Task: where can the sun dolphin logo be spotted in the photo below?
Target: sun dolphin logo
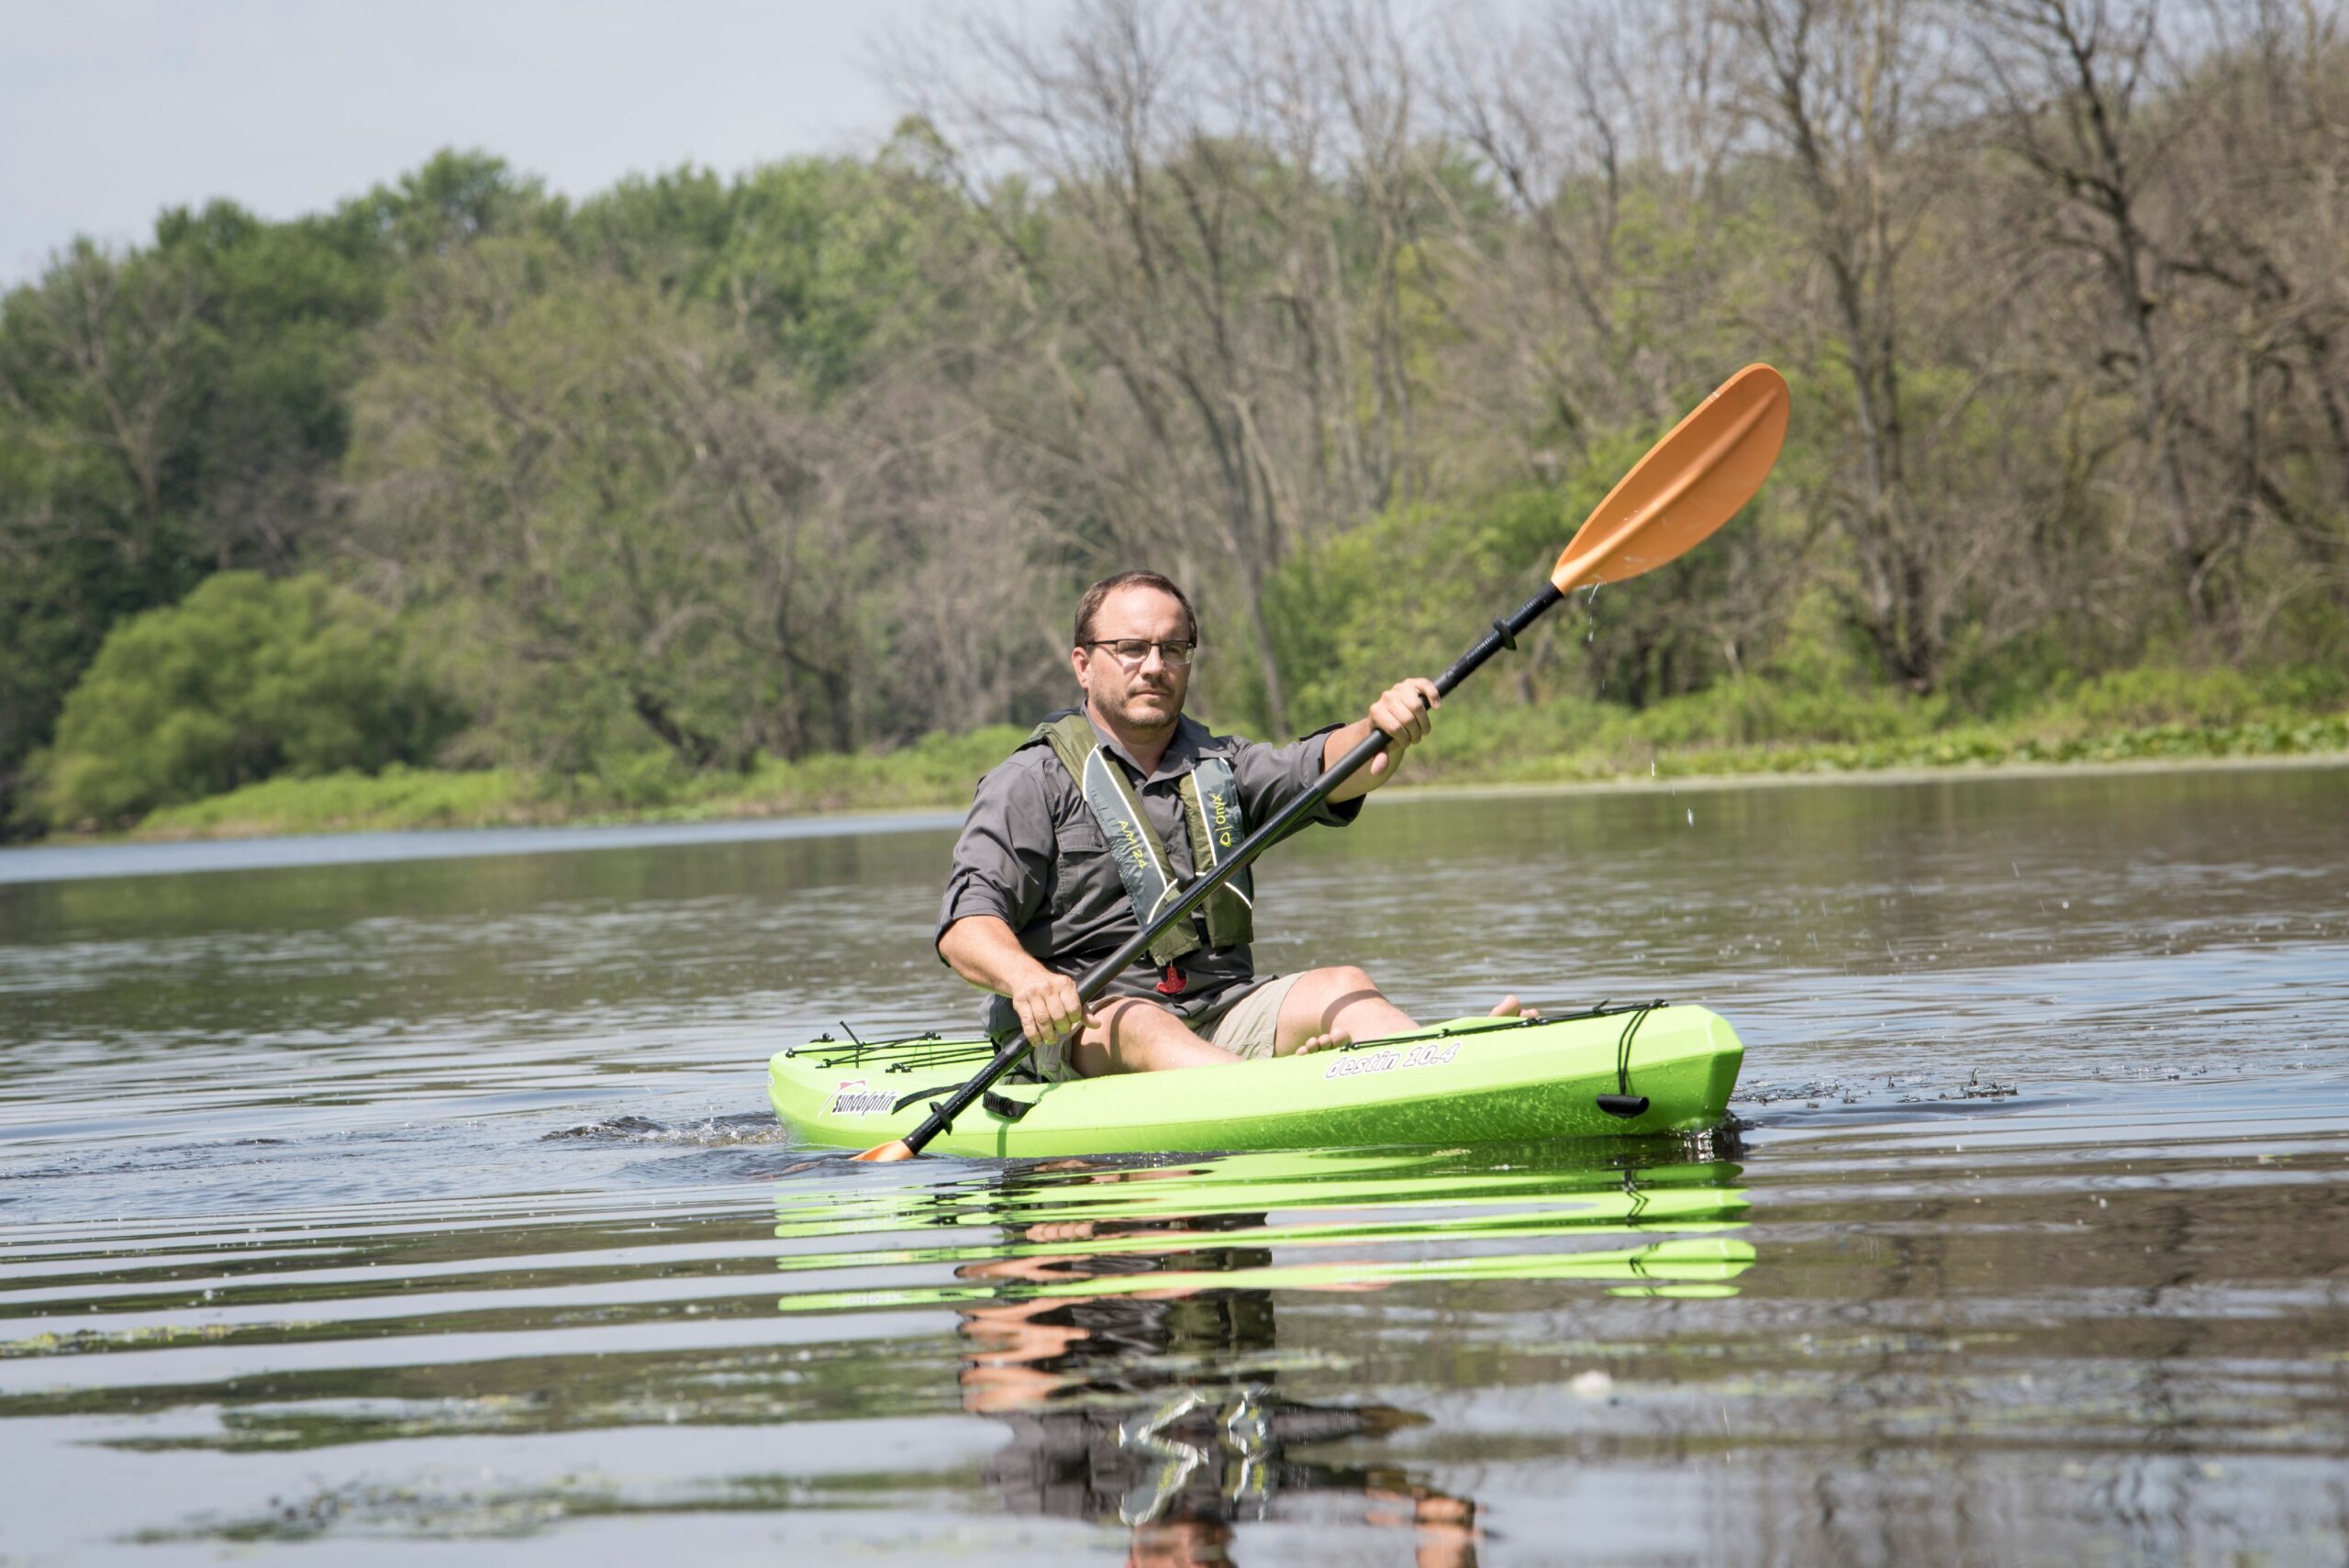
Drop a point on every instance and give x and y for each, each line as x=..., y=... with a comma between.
x=856, y=1097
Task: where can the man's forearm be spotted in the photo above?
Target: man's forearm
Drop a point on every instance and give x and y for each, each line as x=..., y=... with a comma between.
x=1338, y=742
x=984, y=951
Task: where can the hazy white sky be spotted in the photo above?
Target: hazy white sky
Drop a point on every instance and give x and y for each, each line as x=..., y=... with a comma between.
x=111, y=110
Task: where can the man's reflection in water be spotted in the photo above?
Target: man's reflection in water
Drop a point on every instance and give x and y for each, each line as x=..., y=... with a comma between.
x=1153, y=1406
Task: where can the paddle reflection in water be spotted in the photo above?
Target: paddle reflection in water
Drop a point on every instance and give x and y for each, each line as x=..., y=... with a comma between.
x=1123, y=1320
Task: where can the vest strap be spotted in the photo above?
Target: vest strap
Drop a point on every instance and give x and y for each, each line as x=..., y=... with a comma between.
x=1211, y=815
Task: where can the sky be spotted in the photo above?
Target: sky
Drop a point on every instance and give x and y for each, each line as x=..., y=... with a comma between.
x=112, y=110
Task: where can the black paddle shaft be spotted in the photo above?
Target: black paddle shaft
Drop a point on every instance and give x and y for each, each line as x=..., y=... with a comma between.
x=1194, y=893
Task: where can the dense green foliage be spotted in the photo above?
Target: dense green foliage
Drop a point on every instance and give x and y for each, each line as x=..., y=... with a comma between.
x=630, y=503
x=182, y=410
x=244, y=679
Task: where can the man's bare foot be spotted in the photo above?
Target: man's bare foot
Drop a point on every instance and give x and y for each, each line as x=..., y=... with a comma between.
x=1507, y=1008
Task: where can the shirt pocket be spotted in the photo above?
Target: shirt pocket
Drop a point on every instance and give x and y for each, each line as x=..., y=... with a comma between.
x=1080, y=860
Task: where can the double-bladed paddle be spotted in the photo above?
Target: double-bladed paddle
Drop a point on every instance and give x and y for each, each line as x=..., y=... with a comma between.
x=1688, y=484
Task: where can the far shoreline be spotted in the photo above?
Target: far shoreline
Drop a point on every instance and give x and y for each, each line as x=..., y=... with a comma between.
x=514, y=834
x=1969, y=768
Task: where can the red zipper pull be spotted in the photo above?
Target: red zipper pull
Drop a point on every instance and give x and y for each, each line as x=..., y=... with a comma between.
x=1173, y=985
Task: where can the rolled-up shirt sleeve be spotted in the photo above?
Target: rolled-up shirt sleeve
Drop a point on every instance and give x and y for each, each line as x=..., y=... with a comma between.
x=1272, y=776
x=1003, y=861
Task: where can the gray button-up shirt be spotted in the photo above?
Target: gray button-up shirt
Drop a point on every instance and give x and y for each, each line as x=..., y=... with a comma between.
x=1032, y=855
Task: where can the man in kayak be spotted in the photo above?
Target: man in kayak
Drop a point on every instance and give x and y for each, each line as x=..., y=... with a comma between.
x=1103, y=811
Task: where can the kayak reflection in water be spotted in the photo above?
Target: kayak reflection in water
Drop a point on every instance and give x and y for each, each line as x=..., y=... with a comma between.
x=1103, y=1428
x=1081, y=835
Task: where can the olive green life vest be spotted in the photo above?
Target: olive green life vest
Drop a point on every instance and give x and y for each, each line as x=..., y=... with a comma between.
x=1210, y=816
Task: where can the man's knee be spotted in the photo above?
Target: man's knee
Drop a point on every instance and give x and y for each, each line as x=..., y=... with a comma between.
x=1338, y=983
x=1321, y=994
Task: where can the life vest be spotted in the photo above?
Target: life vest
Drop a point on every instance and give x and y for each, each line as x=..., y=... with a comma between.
x=1210, y=816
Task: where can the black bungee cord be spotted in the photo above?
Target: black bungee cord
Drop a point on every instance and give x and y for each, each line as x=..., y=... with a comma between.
x=1624, y=1103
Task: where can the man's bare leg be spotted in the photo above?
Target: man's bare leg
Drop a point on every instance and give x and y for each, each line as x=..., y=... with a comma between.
x=1328, y=1006
x=1130, y=1035
x=1331, y=1007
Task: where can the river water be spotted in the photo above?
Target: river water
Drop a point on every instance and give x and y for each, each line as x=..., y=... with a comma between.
x=349, y=1204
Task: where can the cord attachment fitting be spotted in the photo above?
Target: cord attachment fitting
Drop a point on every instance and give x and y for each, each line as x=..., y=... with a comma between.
x=1623, y=1104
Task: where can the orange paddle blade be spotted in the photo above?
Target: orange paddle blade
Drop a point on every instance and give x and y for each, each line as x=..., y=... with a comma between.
x=1690, y=483
x=886, y=1153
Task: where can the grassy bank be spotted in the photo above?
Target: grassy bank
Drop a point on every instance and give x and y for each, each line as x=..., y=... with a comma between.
x=1758, y=727
x=1751, y=727
x=937, y=771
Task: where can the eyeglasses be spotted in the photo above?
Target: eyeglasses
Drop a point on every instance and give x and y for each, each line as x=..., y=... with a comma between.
x=1133, y=651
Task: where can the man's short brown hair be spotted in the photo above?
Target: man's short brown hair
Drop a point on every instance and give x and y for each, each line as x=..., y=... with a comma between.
x=1089, y=606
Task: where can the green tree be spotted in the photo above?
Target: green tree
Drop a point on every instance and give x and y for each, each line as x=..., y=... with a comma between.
x=244, y=679
x=819, y=259
x=452, y=199
x=164, y=413
x=617, y=509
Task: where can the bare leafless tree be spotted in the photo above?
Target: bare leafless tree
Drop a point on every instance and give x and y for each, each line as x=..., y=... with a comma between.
x=1214, y=240
x=2260, y=232
x=2070, y=81
x=1850, y=95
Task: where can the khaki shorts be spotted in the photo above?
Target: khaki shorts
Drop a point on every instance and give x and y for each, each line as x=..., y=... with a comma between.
x=1249, y=1030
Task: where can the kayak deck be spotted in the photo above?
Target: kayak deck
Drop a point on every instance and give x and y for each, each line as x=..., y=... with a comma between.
x=1470, y=1081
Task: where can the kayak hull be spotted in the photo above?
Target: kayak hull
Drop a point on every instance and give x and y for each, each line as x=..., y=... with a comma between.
x=1472, y=1081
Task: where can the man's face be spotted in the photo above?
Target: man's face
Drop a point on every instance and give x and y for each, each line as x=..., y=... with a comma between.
x=1148, y=696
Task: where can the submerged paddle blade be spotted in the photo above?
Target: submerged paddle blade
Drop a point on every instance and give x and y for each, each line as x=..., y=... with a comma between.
x=1690, y=483
x=885, y=1154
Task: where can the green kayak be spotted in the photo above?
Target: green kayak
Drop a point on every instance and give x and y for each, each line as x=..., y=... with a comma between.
x=1658, y=1069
